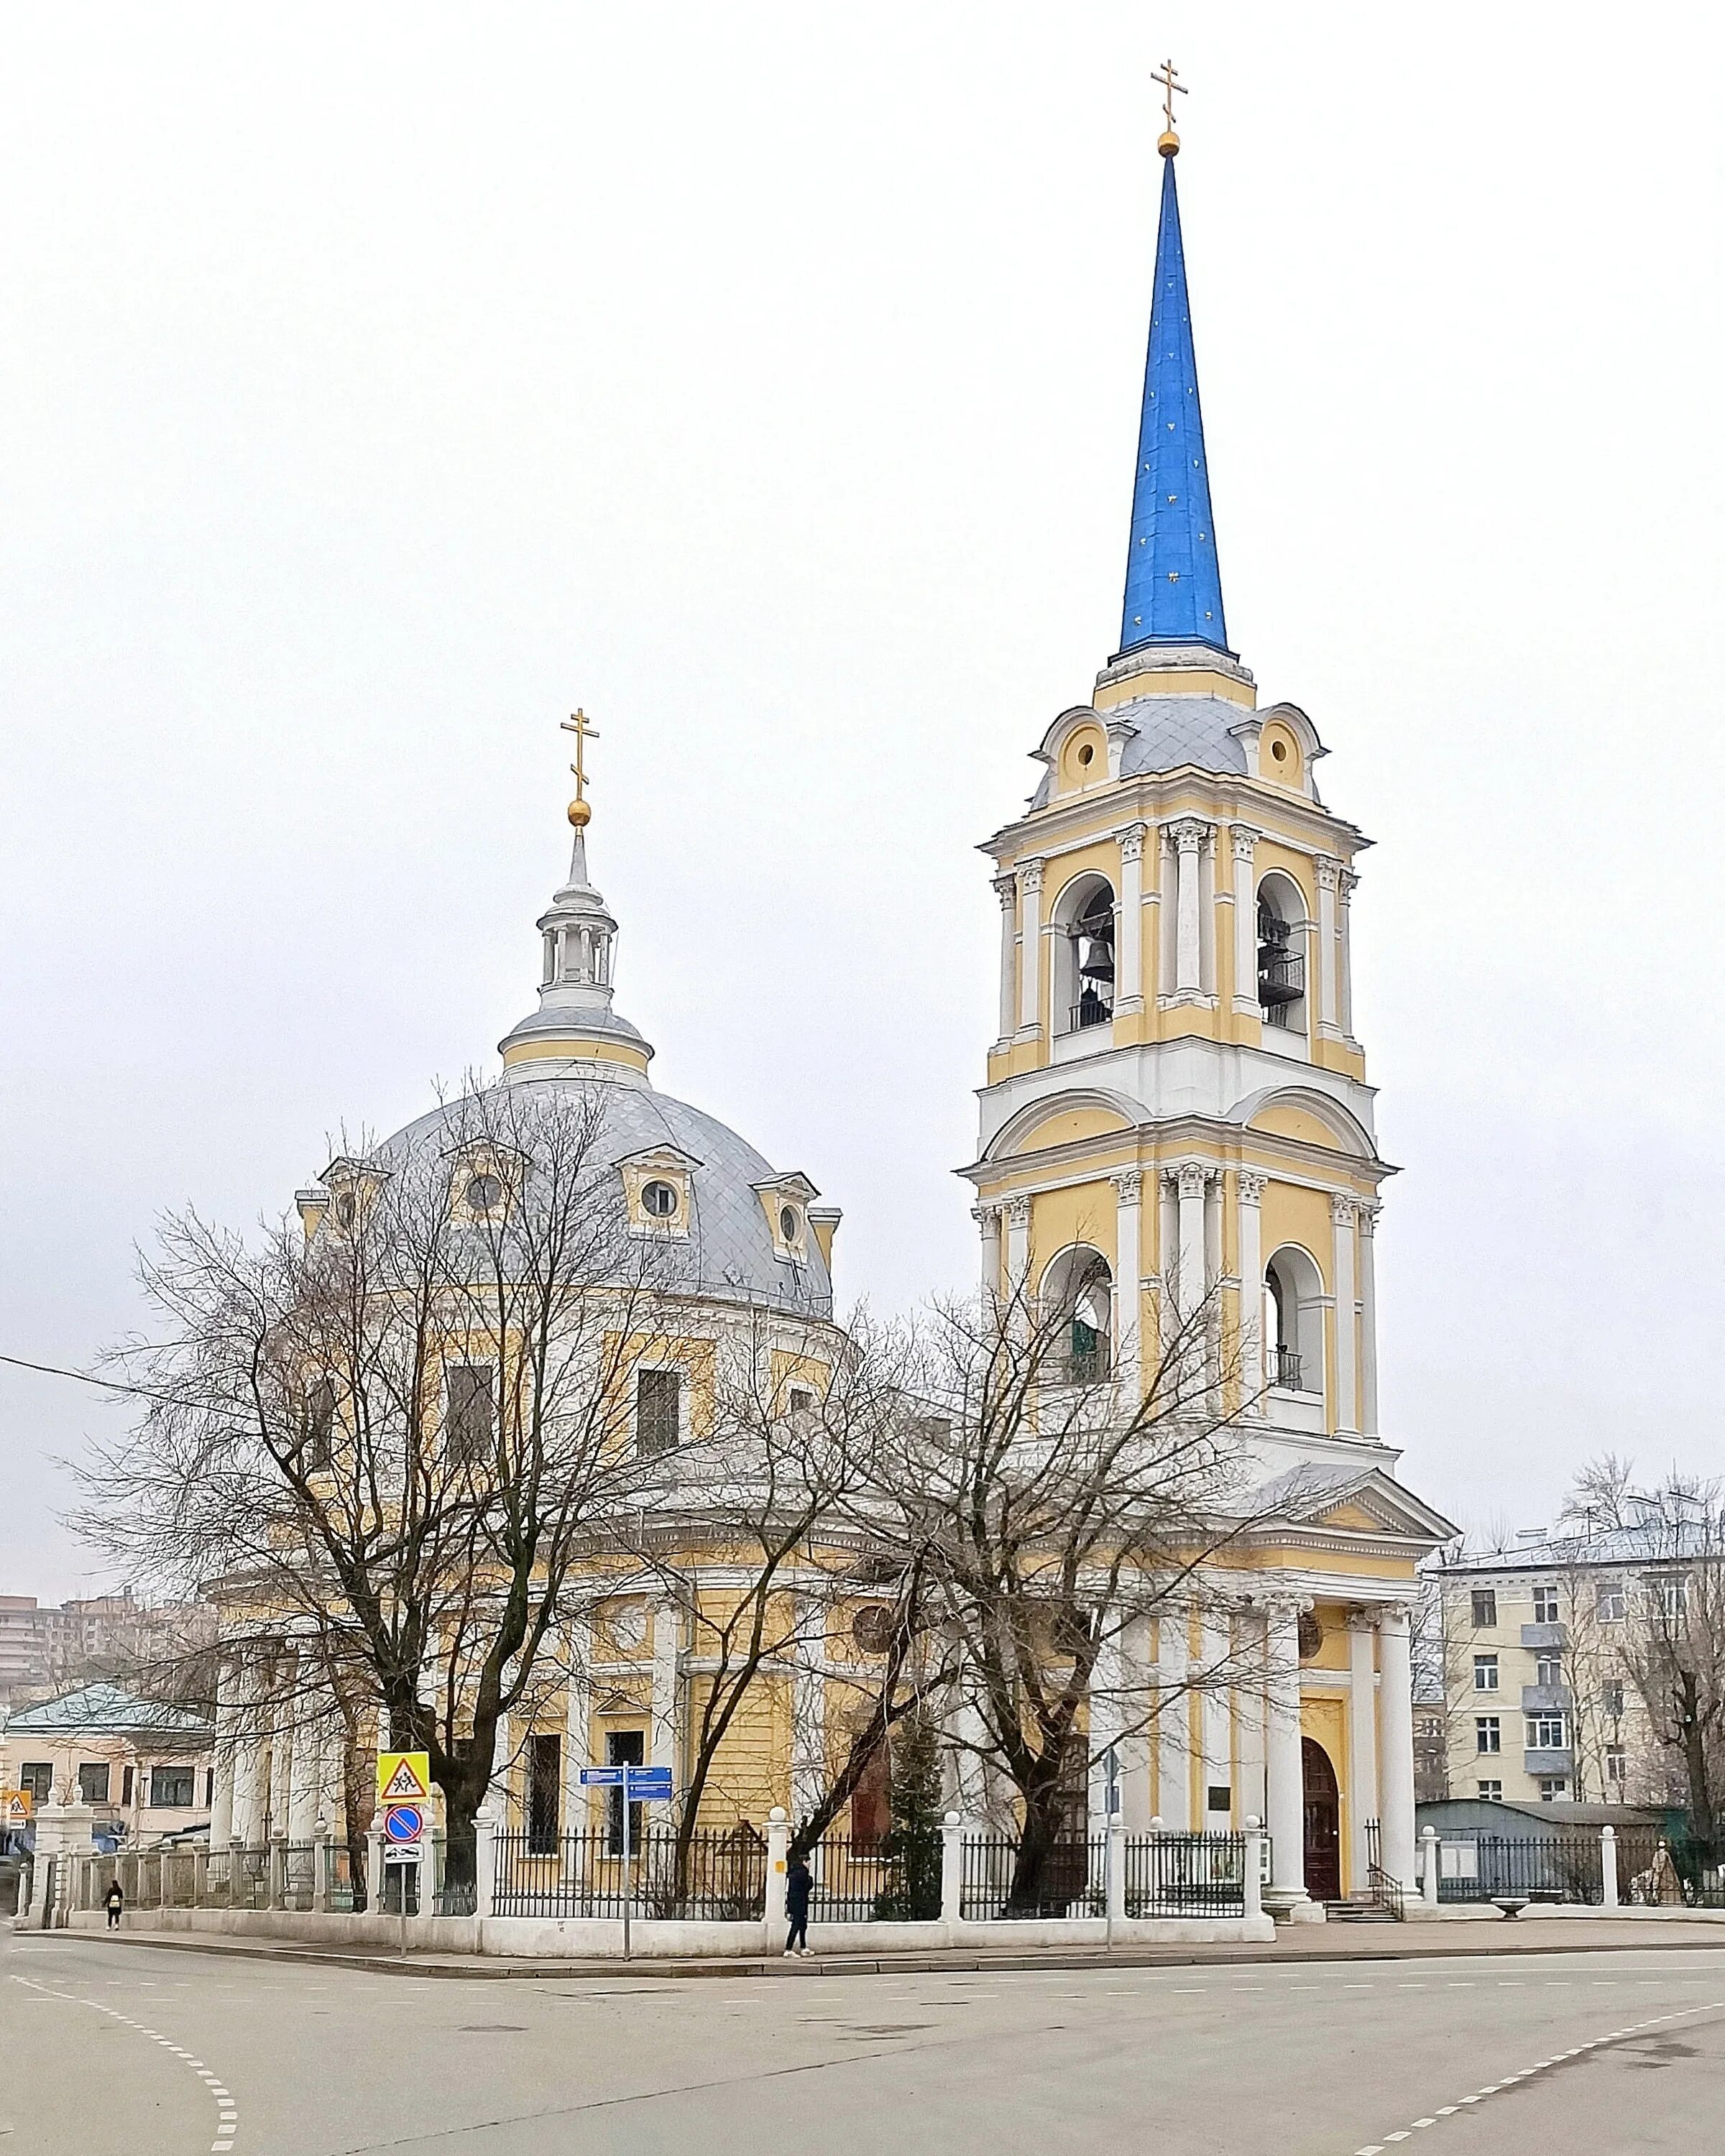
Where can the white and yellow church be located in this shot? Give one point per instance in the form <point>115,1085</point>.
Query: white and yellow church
<point>1176,1113</point>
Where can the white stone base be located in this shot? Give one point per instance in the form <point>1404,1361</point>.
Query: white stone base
<point>601,1938</point>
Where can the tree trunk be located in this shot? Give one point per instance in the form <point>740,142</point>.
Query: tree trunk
<point>1035,1887</point>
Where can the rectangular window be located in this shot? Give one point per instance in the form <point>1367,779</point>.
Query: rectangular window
<point>1489,1793</point>
<point>1611,1698</point>
<point>1545,1605</point>
<point>1669,1598</point>
<point>545,1781</point>
<point>35,1778</point>
<point>624,1748</point>
<point>658,1400</point>
<point>1616,1764</point>
<point>93,1782</point>
<point>1485,1672</point>
<point>1610,1606</point>
<point>1552,1787</point>
<point>472,1421</point>
<point>1548,1670</point>
<point>209,1786</point>
<point>1485,1608</point>
<point>320,1423</point>
<point>171,1788</point>
<point>128,1782</point>
<point>1487,1734</point>
<point>1546,1733</point>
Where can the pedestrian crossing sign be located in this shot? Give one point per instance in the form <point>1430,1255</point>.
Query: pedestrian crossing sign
<point>403,1778</point>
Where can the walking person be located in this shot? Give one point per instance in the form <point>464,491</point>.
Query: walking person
<point>115,1901</point>
<point>798,1885</point>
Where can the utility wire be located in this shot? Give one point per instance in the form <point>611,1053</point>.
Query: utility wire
<point>84,1378</point>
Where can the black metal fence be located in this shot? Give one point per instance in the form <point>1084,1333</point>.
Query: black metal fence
<point>1069,1882</point>
<point>1185,1875</point>
<point>1670,1870</point>
<point>1554,1868</point>
<point>895,1881</point>
<point>723,1876</point>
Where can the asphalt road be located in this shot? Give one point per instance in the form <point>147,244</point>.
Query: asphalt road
<point>110,2050</point>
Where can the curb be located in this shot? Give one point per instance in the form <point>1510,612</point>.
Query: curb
<point>957,1964</point>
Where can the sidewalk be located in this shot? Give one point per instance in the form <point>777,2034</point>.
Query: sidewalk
<point>1327,1943</point>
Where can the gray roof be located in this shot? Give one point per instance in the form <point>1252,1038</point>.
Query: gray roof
<point>1658,1542</point>
<point>1169,731</point>
<point>104,1709</point>
<point>729,1253</point>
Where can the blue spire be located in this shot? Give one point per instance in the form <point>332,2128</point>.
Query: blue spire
<point>1174,586</point>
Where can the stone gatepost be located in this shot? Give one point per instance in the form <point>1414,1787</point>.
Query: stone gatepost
<point>1607,1867</point>
<point>779,1850</point>
<point>951,1868</point>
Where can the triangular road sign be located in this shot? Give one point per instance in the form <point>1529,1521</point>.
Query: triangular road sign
<point>404,1780</point>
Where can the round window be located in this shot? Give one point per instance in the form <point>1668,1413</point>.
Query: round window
<point>659,1199</point>
<point>1087,752</point>
<point>871,1628</point>
<point>1278,750</point>
<point>789,1222</point>
<point>484,1193</point>
<point>344,1209</point>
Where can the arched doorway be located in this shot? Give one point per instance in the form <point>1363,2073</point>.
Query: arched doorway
<point>1323,1823</point>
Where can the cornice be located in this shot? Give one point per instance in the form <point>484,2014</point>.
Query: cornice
<point>1231,797</point>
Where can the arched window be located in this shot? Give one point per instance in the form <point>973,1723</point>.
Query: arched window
<point>1293,1323</point>
<point>1281,953</point>
<point>1084,954</point>
<point>1078,1303</point>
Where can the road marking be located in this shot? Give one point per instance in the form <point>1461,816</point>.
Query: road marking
<point>1539,2066</point>
<point>227,2111</point>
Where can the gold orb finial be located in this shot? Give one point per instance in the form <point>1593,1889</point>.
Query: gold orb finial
<point>581,814</point>
<point>1168,143</point>
<point>1168,75</point>
<point>580,810</point>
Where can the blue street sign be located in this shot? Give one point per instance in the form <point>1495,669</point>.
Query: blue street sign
<point>602,1777</point>
<point>403,1823</point>
<point>646,1785</point>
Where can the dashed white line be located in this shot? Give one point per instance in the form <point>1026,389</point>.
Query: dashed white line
<point>227,2112</point>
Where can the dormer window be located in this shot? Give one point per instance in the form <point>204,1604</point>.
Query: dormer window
<point>484,1194</point>
<point>659,1190</point>
<point>661,1199</point>
<point>345,1208</point>
<point>790,1222</point>
<point>784,1201</point>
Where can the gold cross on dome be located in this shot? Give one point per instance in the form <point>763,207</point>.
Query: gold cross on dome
<point>582,727</point>
<point>1168,76</point>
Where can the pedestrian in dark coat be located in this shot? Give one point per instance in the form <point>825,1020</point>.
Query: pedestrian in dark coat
<point>115,1902</point>
<point>798,1885</point>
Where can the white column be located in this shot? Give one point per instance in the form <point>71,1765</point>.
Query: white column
<point>577,1720</point>
<point>1128,1274</point>
<point>1030,947</point>
<point>1129,957</point>
<point>1188,837</point>
<point>1006,889</point>
<point>1362,1792</point>
<point>1395,1741</point>
<point>1017,1245</point>
<point>1107,1702</point>
<point>1368,1321</point>
<point>1328,867</point>
<point>1191,1179</point>
<point>1347,1401</point>
<point>1249,1187</point>
<point>304,1772</point>
<point>1215,1721</point>
<point>988,1220</point>
<point>667,1662</point>
<point>809,1709</point>
<point>1174,1751</point>
<point>1246,920</point>
<point>221,1817</point>
<point>1248,1709</point>
<point>1135,1745</point>
<point>1284,1773</point>
<point>1345,883</point>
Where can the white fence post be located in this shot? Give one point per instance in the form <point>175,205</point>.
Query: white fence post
<point>1429,1878</point>
<point>1254,1866</point>
<point>320,1866</point>
<point>1607,1867</point>
<point>484,1862</point>
<point>778,1850</point>
<point>1116,1903</point>
<point>952,1867</point>
<point>374,1872</point>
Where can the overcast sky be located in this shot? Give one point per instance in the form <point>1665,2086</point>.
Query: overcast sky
<point>378,383</point>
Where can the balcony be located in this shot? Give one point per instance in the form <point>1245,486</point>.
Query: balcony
<point>1546,1699</point>
<point>1550,1761</point>
<point>1281,1367</point>
<point>1281,984</point>
<point>1089,1009</point>
<point>1545,1635</point>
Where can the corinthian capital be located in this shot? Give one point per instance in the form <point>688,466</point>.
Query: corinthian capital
<point>1189,1177</point>
<point>1251,1183</point>
<point>1328,869</point>
<point>1018,1212</point>
<point>1006,889</point>
<point>1131,843</point>
<point>1128,1186</point>
<point>1343,1208</point>
<point>1030,876</point>
<point>1246,841</point>
<point>1186,834</point>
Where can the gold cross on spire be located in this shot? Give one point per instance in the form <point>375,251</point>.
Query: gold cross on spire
<point>1169,76</point>
<point>580,812</point>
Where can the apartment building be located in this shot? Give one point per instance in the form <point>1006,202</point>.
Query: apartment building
<point>1538,1700</point>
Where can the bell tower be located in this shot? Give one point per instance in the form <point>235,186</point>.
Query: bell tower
<point>1176,1102</point>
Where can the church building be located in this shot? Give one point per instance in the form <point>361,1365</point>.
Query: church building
<point>1177,1119</point>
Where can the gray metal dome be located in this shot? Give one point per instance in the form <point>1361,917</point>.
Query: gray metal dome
<point>729,1253</point>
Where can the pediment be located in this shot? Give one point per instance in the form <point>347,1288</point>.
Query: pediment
<point>1364,1501</point>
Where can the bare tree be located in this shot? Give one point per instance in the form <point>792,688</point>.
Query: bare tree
<point>382,1441</point>
<point>1048,1510</point>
